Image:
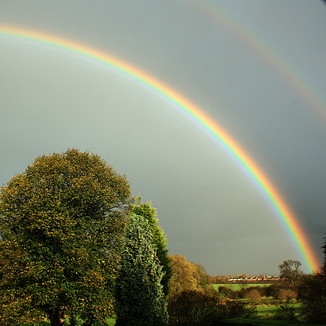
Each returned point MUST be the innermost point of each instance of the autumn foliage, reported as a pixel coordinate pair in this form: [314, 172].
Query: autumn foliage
[186, 276]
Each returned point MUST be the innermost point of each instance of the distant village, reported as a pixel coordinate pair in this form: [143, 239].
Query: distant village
[255, 279]
[245, 279]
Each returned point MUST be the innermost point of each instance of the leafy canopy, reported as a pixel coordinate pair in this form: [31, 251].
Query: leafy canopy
[61, 226]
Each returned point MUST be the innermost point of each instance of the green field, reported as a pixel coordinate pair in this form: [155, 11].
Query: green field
[267, 311]
[238, 287]
[265, 315]
[263, 322]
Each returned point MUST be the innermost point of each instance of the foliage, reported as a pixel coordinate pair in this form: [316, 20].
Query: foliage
[193, 308]
[138, 291]
[291, 272]
[61, 226]
[273, 290]
[226, 292]
[254, 296]
[313, 295]
[204, 308]
[285, 312]
[238, 287]
[235, 309]
[186, 276]
[288, 294]
[159, 239]
[241, 291]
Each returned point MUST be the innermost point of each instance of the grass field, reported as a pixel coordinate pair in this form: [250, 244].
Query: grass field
[267, 311]
[263, 322]
[238, 287]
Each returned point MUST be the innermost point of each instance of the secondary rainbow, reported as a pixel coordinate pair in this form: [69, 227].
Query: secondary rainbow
[283, 211]
[260, 48]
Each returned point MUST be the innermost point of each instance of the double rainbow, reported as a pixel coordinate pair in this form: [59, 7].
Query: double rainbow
[192, 111]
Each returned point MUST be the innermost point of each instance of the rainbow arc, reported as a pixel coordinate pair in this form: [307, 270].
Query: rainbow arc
[193, 112]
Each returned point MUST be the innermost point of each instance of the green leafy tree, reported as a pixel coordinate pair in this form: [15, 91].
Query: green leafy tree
[139, 296]
[159, 239]
[291, 272]
[61, 228]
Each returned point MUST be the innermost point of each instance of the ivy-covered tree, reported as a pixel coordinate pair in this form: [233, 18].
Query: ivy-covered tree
[61, 229]
[139, 296]
[147, 211]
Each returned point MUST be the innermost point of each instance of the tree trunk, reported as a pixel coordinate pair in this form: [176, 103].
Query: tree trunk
[55, 318]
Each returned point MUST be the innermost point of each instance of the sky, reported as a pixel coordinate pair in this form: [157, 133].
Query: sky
[258, 68]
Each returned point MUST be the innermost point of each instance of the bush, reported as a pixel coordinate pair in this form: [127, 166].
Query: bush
[227, 292]
[259, 291]
[235, 309]
[285, 312]
[273, 290]
[193, 308]
[253, 296]
[199, 308]
[287, 294]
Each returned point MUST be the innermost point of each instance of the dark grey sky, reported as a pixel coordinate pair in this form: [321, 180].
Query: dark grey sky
[256, 67]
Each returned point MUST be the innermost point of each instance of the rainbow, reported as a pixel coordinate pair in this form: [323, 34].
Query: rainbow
[193, 112]
[313, 100]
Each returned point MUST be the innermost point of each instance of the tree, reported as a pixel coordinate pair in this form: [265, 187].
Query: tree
[139, 296]
[291, 272]
[61, 228]
[159, 239]
[313, 295]
[186, 276]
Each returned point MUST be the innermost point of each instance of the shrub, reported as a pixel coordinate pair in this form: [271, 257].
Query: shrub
[273, 290]
[226, 292]
[243, 293]
[287, 294]
[235, 309]
[253, 296]
[193, 308]
[285, 312]
[203, 308]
